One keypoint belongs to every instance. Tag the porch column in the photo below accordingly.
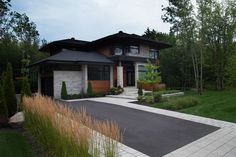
(111, 76)
(120, 81)
(136, 74)
(39, 82)
(85, 77)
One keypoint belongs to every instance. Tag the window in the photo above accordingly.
(132, 49)
(118, 51)
(153, 53)
(98, 72)
(141, 70)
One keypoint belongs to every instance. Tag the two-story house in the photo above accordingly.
(115, 60)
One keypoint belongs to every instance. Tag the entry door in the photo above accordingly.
(130, 78)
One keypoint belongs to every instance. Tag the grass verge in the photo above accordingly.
(13, 144)
(212, 104)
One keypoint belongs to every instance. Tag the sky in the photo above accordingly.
(92, 19)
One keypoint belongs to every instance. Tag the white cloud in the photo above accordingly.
(92, 19)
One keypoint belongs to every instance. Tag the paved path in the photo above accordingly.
(151, 133)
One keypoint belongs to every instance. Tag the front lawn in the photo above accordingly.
(213, 104)
(13, 144)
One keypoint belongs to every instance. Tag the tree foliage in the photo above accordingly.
(25, 87)
(204, 40)
(9, 91)
(3, 106)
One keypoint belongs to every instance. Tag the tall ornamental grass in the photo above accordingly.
(66, 133)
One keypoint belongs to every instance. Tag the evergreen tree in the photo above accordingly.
(64, 94)
(25, 87)
(89, 89)
(3, 106)
(9, 91)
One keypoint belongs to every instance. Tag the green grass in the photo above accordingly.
(13, 144)
(213, 104)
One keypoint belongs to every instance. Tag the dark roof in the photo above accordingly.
(129, 39)
(119, 37)
(69, 56)
(65, 43)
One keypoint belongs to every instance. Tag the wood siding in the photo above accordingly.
(100, 85)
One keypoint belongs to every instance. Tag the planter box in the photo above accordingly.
(157, 86)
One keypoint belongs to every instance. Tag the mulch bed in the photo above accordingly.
(36, 148)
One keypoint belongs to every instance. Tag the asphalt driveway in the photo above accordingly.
(149, 133)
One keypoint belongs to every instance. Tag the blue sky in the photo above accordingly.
(92, 19)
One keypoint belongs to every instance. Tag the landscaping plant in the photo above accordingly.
(64, 133)
(3, 109)
(182, 103)
(64, 94)
(89, 89)
(152, 76)
(9, 91)
(140, 89)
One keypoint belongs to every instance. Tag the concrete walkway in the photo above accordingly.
(219, 143)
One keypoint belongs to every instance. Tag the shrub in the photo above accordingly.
(149, 99)
(9, 91)
(181, 103)
(3, 107)
(140, 89)
(89, 89)
(116, 90)
(64, 94)
(141, 99)
(157, 97)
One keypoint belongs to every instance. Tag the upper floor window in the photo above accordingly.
(117, 50)
(132, 49)
(153, 53)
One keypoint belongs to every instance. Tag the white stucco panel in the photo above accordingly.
(73, 80)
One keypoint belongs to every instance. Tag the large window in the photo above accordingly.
(141, 71)
(153, 53)
(98, 72)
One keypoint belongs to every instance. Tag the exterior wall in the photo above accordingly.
(39, 82)
(100, 86)
(73, 80)
(105, 52)
(143, 52)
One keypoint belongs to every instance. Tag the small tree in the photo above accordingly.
(25, 87)
(9, 91)
(90, 89)
(152, 76)
(3, 106)
(25, 90)
(64, 94)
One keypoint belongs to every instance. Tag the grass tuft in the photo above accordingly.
(63, 132)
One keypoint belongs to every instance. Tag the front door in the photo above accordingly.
(130, 78)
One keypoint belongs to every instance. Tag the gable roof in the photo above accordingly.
(69, 56)
(65, 43)
(114, 38)
(129, 39)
